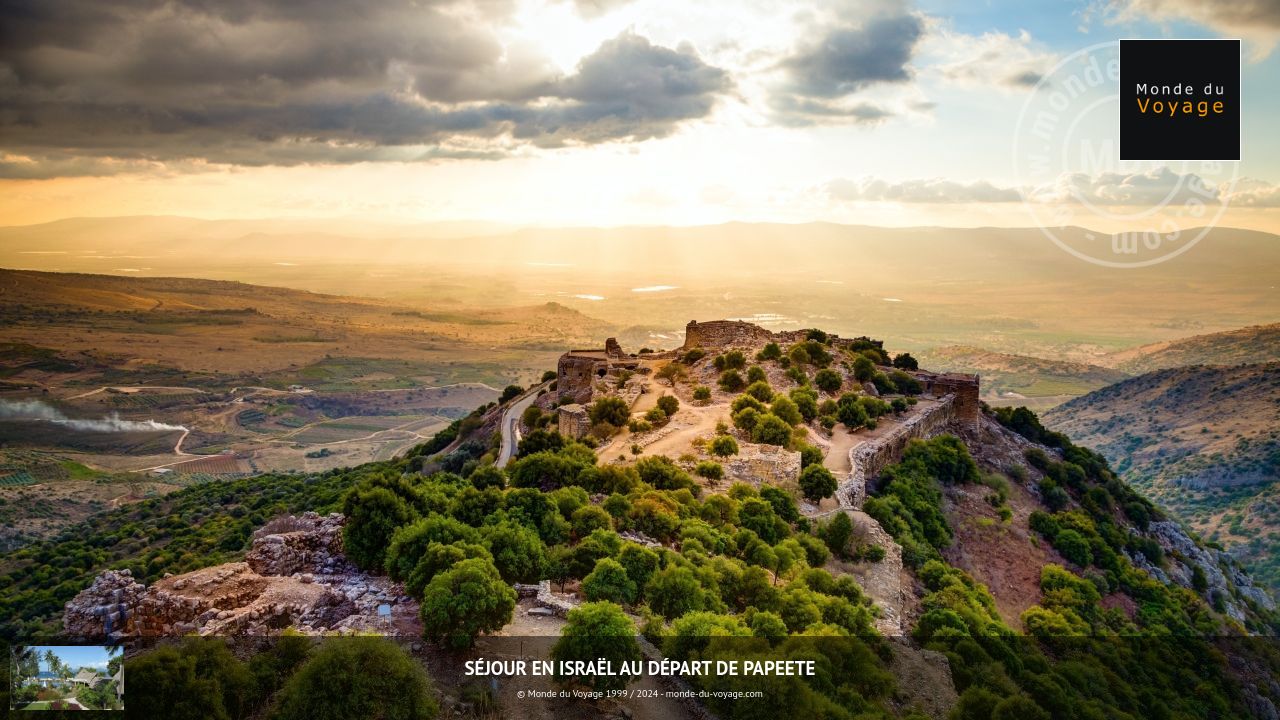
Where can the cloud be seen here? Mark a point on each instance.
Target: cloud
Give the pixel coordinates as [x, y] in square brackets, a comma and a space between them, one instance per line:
[992, 59]
[1252, 193]
[1255, 20]
[821, 76]
[1160, 186]
[934, 190]
[286, 83]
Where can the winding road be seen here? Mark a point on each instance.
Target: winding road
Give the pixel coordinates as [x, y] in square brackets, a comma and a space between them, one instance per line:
[511, 420]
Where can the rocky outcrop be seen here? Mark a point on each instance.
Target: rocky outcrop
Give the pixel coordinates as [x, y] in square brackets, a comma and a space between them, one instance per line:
[1186, 555]
[294, 575]
[294, 545]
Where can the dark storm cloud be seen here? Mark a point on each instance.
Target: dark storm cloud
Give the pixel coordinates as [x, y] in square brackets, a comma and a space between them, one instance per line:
[844, 61]
[85, 84]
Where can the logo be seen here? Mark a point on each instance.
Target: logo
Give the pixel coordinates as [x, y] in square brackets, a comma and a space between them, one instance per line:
[1179, 99]
[1095, 196]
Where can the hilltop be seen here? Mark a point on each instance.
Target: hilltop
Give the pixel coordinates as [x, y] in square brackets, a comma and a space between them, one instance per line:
[1254, 344]
[1200, 440]
[1035, 382]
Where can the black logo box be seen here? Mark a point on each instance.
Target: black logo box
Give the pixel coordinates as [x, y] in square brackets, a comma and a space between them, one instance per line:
[1185, 64]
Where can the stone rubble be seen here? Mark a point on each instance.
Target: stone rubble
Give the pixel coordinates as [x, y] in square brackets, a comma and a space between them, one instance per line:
[294, 575]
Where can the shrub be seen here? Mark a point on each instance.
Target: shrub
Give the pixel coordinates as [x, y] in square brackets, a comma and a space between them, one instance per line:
[731, 381]
[609, 581]
[675, 591]
[755, 374]
[510, 392]
[770, 351]
[518, 553]
[655, 416]
[709, 470]
[611, 410]
[760, 391]
[1074, 547]
[669, 404]
[662, 473]
[437, 558]
[373, 515]
[461, 603]
[487, 476]
[905, 362]
[724, 446]
[817, 482]
[828, 381]
[836, 534]
[702, 393]
[331, 685]
[785, 408]
[594, 631]
[771, 430]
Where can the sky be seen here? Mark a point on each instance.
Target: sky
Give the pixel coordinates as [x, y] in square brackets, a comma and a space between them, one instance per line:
[76, 656]
[603, 112]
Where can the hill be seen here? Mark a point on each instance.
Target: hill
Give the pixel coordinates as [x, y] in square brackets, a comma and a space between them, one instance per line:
[1019, 379]
[1201, 440]
[1254, 344]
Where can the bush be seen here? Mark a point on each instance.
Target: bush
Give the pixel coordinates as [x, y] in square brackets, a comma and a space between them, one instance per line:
[1074, 547]
[709, 470]
[905, 362]
[731, 381]
[669, 404]
[828, 381]
[817, 482]
[373, 515]
[437, 558]
[510, 392]
[198, 680]
[594, 631]
[487, 476]
[771, 430]
[655, 416]
[755, 374]
[461, 603]
[662, 473]
[724, 446]
[518, 553]
[702, 393]
[611, 410]
[760, 391]
[336, 683]
[770, 351]
[609, 581]
[785, 408]
[836, 534]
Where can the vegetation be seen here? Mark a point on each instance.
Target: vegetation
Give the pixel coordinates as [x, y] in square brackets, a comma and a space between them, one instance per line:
[469, 599]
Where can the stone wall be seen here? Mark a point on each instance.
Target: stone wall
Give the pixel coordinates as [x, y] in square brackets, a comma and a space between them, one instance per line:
[964, 387]
[760, 465]
[869, 458]
[577, 372]
[716, 334]
[572, 421]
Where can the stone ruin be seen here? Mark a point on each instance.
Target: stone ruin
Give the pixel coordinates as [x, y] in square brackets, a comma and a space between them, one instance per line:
[578, 371]
[294, 575]
[573, 421]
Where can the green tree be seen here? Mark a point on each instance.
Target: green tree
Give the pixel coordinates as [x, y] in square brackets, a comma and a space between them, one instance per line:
[863, 368]
[197, 680]
[408, 543]
[340, 681]
[1073, 547]
[437, 558]
[487, 476]
[610, 409]
[518, 553]
[731, 381]
[836, 534]
[459, 604]
[904, 361]
[770, 351]
[771, 430]
[675, 591]
[760, 390]
[510, 392]
[709, 470]
[724, 446]
[373, 516]
[609, 581]
[828, 381]
[669, 404]
[662, 473]
[817, 482]
[589, 518]
[702, 393]
[597, 630]
[785, 408]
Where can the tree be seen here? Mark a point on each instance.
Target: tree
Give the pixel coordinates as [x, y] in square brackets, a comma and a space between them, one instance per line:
[610, 409]
[510, 392]
[669, 404]
[806, 402]
[597, 630]
[662, 473]
[850, 412]
[410, 542]
[518, 553]
[724, 446]
[785, 408]
[548, 375]
[1073, 547]
[731, 381]
[836, 534]
[672, 373]
[373, 515]
[675, 591]
[709, 470]
[817, 482]
[589, 518]
[338, 682]
[863, 368]
[439, 557]
[490, 476]
[756, 374]
[197, 680]
[760, 390]
[771, 430]
[540, 440]
[609, 581]
[905, 362]
[770, 351]
[461, 603]
[828, 381]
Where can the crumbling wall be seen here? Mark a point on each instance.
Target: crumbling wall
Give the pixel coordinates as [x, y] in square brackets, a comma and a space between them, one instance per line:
[717, 334]
[869, 458]
[760, 465]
